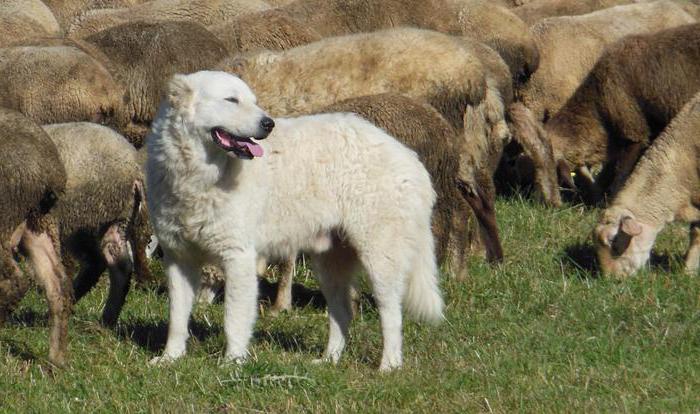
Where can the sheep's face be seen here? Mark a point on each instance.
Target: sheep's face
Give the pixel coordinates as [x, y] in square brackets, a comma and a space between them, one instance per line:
[222, 111]
[623, 243]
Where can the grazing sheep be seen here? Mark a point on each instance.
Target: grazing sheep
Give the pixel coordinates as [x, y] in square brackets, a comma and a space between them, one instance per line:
[204, 12]
[52, 84]
[569, 47]
[421, 64]
[31, 177]
[482, 20]
[23, 19]
[636, 88]
[102, 210]
[145, 55]
[664, 187]
[267, 29]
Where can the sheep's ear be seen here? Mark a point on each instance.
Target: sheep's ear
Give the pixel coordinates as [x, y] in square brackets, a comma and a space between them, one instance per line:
[179, 91]
[236, 66]
[629, 226]
[564, 174]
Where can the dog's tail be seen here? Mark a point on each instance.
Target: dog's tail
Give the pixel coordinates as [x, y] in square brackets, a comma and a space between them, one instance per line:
[423, 299]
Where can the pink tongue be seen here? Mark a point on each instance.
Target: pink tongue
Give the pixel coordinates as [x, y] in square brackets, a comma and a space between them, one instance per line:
[255, 149]
[224, 138]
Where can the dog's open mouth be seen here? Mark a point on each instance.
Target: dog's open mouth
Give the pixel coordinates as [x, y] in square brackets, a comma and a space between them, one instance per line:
[242, 147]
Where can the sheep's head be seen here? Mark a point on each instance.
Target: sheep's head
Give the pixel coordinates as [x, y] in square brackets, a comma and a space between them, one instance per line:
[623, 243]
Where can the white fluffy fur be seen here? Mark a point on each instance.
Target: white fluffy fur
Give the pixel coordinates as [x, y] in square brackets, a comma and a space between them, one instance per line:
[333, 185]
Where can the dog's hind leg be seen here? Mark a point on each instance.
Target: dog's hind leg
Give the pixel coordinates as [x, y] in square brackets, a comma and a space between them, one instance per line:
[183, 282]
[387, 261]
[240, 302]
[116, 255]
[335, 269]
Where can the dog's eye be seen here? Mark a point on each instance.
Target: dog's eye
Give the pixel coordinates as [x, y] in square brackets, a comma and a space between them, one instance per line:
[232, 99]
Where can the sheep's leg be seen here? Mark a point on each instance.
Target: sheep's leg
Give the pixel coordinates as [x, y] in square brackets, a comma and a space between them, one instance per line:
[283, 300]
[87, 278]
[13, 285]
[692, 257]
[50, 274]
[116, 255]
[183, 282]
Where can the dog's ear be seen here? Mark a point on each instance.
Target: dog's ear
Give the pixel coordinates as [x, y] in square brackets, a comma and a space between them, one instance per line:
[179, 91]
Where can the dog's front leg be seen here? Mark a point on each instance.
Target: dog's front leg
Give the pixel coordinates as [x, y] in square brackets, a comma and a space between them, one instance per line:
[240, 302]
[183, 282]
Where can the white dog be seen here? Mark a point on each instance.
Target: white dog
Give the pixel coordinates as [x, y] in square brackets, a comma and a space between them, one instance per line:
[332, 185]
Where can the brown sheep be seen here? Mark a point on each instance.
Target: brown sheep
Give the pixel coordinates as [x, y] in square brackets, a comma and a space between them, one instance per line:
[52, 84]
[24, 19]
[145, 55]
[632, 93]
[569, 47]
[479, 19]
[664, 187]
[636, 88]
[31, 177]
[102, 210]
[204, 12]
[268, 29]
[421, 64]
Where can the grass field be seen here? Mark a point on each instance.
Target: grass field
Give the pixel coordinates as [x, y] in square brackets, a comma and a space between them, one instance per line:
[540, 333]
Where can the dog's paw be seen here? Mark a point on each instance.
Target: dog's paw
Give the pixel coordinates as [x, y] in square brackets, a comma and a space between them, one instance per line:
[161, 360]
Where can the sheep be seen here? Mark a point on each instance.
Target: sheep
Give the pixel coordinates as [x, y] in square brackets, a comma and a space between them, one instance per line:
[536, 10]
[102, 210]
[31, 178]
[569, 47]
[59, 83]
[634, 90]
[664, 187]
[144, 55]
[22, 19]
[479, 19]
[417, 63]
[204, 12]
[268, 29]
[66, 11]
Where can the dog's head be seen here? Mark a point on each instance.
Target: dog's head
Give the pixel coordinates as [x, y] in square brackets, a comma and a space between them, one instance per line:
[623, 243]
[220, 109]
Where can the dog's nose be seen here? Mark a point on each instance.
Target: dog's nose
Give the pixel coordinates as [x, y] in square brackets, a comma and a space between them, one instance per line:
[267, 124]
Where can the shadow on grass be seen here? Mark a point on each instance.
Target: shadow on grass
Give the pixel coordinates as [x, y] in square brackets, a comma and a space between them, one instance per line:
[583, 261]
[18, 350]
[151, 336]
[29, 318]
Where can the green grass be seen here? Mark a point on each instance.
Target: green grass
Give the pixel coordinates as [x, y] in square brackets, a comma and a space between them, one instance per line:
[540, 333]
